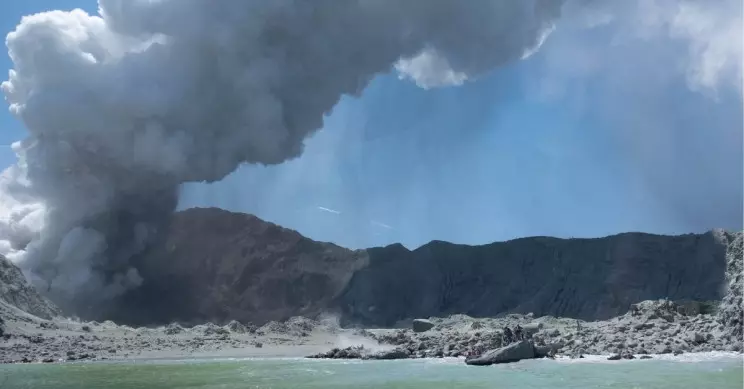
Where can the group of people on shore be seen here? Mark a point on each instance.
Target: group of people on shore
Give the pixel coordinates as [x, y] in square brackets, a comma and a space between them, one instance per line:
[507, 337]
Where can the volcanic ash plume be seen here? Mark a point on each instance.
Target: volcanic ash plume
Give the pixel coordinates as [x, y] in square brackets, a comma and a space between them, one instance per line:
[123, 107]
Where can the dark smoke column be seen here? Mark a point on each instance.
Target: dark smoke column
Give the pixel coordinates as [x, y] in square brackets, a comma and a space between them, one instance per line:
[123, 107]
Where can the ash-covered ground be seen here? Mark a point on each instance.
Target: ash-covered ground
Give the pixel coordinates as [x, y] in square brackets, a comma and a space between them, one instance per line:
[30, 339]
[657, 327]
[33, 330]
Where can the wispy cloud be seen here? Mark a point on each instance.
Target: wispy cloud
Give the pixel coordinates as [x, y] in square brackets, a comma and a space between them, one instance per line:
[324, 209]
[380, 224]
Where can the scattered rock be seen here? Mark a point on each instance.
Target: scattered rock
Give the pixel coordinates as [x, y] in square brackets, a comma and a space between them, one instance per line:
[697, 337]
[354, 352]
[398, 353]
[236, 327]
[48, 325]
[210, 329]
[173, 329]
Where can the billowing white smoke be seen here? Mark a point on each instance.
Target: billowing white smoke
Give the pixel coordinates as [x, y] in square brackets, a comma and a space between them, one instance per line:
[123, 107]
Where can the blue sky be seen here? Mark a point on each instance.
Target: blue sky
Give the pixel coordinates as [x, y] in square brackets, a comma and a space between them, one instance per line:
[534, 148]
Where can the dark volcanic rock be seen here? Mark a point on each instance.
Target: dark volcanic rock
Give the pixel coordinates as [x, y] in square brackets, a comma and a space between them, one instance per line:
[511, 353]
[583, 278]
[218, 266]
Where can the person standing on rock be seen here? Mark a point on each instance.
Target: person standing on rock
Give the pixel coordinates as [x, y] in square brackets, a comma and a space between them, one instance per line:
[518, 334]
[508, 336]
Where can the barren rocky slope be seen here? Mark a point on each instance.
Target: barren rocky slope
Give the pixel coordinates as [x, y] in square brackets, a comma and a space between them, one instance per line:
[588, 279]
[16, 293]
[217, 265]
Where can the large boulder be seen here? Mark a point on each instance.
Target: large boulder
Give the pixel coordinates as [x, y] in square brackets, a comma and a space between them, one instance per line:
[548, 350]
[511, 353]
[422, 325]
[531, 329]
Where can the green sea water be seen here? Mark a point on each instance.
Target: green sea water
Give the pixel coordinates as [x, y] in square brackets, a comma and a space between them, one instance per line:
[705, 373]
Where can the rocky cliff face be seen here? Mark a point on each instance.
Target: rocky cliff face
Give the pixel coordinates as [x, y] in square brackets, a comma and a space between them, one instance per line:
[216, 265]
[731, 313]
[581, 278]
[16, 292]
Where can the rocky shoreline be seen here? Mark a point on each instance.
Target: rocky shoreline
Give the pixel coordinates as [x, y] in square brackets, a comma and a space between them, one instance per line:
[32, 330]
[649, 327]
[652, 327]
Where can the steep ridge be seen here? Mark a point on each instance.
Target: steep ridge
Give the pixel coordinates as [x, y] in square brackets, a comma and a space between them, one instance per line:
[581, 278]
[16, 292]
[217, 265]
